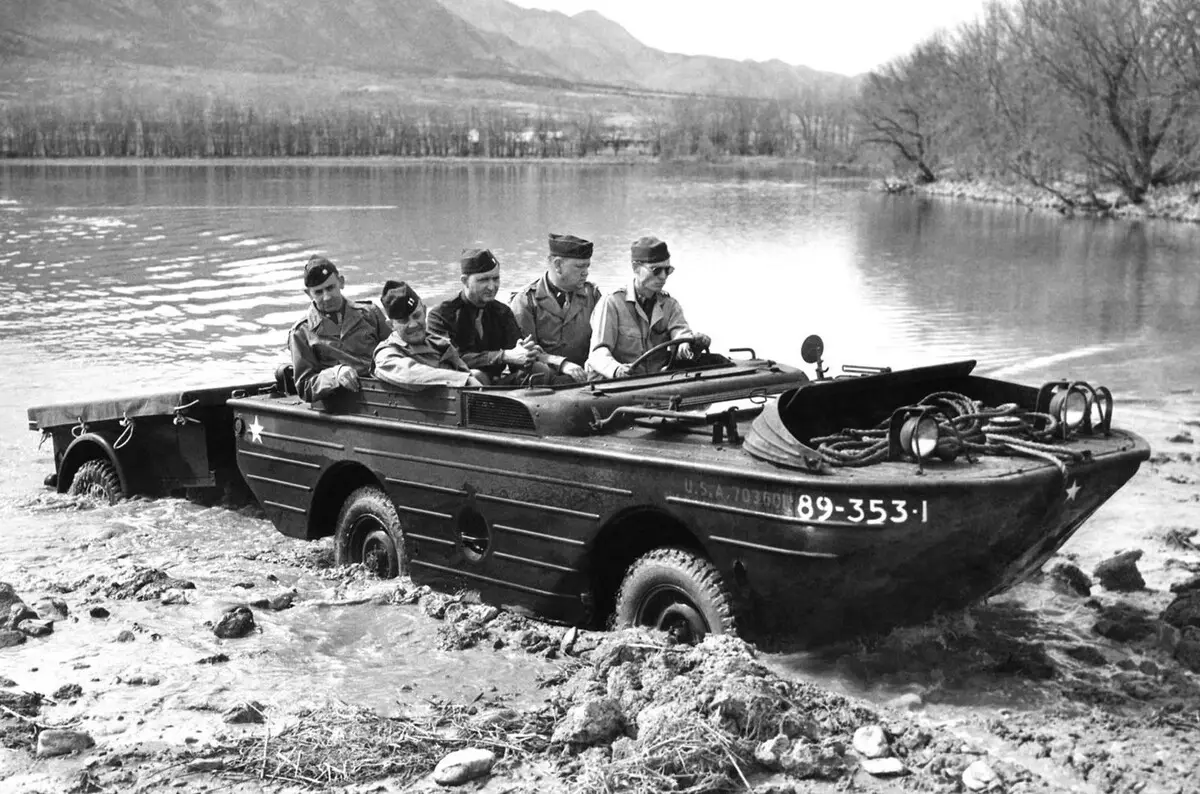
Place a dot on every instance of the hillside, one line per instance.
(490, 39)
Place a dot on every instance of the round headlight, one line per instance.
(1070, 407)
(919, 436)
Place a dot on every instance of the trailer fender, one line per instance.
(89, 446)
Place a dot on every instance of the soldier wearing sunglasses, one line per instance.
(635, 318)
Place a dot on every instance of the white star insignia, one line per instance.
(1073, 490)
(255, 431)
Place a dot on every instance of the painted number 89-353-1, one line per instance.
(864, 511)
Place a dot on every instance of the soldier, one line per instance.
(408, 358)
(556, 309)
(483, 328)
(635, 318)
(331, 346)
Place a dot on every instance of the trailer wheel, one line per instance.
(369, 532)
(677, 591)
(99, 480)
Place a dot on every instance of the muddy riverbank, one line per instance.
(1047, 688)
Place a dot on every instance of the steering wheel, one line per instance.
(670, 343)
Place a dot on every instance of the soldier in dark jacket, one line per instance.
(331, 346)
(482, 328)
(556, 309)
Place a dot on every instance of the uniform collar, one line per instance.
(552, 290)
(631, 295)
(398, 341)
(316, 316)
(546, 294)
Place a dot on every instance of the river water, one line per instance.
(119, 278)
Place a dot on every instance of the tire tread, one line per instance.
(99, 473)
(376, 498)
(703, 572)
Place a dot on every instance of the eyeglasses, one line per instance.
(661, 270)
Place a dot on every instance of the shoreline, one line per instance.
(1174, 203)
(761, 162)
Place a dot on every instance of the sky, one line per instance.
(844, 36)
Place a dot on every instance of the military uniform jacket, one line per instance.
(455, 320)
(415, 367)
(317, 344)
(621, 331)
(564, 332)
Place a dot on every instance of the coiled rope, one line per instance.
(964, 425)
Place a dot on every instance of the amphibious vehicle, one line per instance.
(737, 493)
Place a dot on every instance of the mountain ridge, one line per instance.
(441, 39)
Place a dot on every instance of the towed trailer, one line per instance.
(153, 444)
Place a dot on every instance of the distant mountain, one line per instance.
(475, 38)
(590, 47)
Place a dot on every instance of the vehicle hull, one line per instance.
(519, 519)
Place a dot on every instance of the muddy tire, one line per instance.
(677, 591)
(99, 480)
(369, 532)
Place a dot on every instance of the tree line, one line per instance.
(209, 127)
(1072, 96)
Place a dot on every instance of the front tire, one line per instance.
(97, 479)
(677, 591)
(369, 532)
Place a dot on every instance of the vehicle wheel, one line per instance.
(97, 479)
(677, 591)
(369, 532)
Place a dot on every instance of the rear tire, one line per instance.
(677, 591)
(97, 479)
(369, 532)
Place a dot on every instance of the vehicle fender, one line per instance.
(85, 447)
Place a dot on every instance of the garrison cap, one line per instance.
(478, 260)
(317, 269)
(570, 246)
(649, 250)
(399, 300)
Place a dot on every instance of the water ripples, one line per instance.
(141, 292)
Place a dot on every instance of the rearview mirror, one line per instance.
(812, 349)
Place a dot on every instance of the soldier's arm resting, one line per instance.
(410, 375)
(312, 382)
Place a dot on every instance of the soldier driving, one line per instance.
(331, 346)
(556, 309)
(640, 316)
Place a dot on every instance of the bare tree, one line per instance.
(1129, 70)
(905, 107)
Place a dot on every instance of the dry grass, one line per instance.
(687, 755)
(337, 744)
